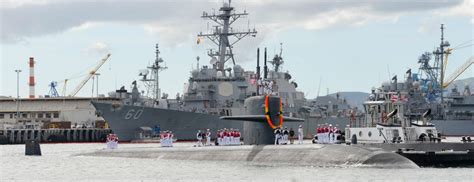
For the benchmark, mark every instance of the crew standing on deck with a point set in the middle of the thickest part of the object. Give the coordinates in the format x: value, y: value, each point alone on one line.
x: 292, y: 135
x: 226, y: 136
x: 199, y: 138
x: 237, y: 138
x: 285, y: 135
x: 162, y: 140
x: 318, y: 134
x: 277, y: 136
x: 170, y: 139
x: 218, y: 137
x: 112, y: 141
x: 208, y: 137
x: 231, y: 137
x: 300, y: 135
x: 270, y: 87
x: 325, y: 134
x: 331, y: 134
x: 260, y: 86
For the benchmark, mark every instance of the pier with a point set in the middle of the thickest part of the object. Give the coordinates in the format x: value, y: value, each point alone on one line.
x: 19, y: 136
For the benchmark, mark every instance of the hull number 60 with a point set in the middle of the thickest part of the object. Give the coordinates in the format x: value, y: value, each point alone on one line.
x: 132, y: 113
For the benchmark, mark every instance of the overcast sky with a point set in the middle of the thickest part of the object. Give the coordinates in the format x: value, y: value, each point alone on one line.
x: 349, y: 45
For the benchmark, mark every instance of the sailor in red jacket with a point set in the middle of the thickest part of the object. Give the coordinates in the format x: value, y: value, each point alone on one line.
x: 162, y: 139
x: 231, y: 136
x: 226, y: 136
x: 237, y: 138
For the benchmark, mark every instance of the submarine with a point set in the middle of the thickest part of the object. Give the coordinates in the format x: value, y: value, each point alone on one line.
x: 264, y: 114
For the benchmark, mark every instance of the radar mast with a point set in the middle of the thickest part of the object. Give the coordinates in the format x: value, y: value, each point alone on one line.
x: 152, y: 83
x: 221, y: 33
x: 277, y: 60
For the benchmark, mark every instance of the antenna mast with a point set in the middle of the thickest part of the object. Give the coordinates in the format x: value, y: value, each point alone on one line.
x: 277, y: 60
x: 439, y: 57
x: 222, y: 32
x: 153, y: 82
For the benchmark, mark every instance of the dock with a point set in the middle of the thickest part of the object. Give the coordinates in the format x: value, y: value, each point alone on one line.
x: 19, y: 136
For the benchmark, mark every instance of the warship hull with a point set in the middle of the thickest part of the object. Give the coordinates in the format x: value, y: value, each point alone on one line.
x: 185, y: 124
x: 126, y: 121
x: 455, y: 127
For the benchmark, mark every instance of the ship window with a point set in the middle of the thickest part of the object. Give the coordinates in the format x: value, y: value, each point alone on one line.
x: 360, y: 133
x: 56, y: 115
x: 11, y: 116
x: 2, y: 116
x: 40, y: 115
x: 24, y: 115
x: 395, y: 133
x: 32, y: 115
x: 48, y: 115
x: 370, y: 134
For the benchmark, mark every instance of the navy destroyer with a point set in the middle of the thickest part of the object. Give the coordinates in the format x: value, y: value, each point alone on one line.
x: 212, y: 91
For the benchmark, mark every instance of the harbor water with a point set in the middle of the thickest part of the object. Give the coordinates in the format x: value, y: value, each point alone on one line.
x: 66, y: 162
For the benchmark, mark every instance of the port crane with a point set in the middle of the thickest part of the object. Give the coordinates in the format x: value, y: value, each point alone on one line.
x: 458, y: 71
x: 52, y: 91
x: 88, y: 77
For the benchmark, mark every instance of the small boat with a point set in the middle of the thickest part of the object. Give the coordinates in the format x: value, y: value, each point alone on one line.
x: 386, y: 122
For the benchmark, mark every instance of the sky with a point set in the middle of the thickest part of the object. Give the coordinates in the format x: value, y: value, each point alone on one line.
x: 328, y: 45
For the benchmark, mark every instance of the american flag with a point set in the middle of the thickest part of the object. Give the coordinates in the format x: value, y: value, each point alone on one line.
x: 394, y: 98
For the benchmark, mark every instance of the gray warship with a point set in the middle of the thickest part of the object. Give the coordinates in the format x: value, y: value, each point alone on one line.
x: 212, y: 91
x: 426, y: 92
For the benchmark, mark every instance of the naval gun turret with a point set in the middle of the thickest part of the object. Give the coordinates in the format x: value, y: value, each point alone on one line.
x: 263, y: 114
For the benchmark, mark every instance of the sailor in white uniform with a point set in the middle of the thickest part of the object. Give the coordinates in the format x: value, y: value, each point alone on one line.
x: 260, y: 86
x: 219, y: 137
x: 277, y: 136
x: 170, y: 139
x: 208, y: 137
x: 300, y: 135
x: 285, y: 136
x: 199, y: 138
x: 270, y: 87
x: 331, y: 134
x: 162, y: 140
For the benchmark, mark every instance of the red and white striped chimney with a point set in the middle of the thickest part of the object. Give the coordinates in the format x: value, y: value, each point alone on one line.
x: 32, y: 78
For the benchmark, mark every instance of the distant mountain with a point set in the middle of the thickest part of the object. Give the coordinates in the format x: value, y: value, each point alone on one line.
x: 461, y: 83
x: 358, y: 98
x: 353, y: 98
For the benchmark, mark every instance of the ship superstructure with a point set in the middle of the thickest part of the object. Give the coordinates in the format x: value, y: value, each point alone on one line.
x: 214, y: 90
x: 425, y: 92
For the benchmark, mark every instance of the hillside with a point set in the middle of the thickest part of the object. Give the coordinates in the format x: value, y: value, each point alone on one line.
x: 353, y: 98
x: 461, y: 83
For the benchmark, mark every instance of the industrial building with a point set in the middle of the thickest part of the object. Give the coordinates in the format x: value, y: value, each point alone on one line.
x: 53, y: 112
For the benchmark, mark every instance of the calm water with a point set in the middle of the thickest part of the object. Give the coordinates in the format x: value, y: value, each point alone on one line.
x: 61, y: 162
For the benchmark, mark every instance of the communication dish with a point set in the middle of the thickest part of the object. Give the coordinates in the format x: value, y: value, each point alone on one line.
x: 143, y: 72
x: 213, y: 60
